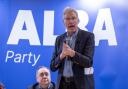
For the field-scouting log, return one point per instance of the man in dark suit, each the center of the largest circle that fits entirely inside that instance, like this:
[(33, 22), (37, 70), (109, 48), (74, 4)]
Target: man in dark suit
[(43, 79), (73, 55)]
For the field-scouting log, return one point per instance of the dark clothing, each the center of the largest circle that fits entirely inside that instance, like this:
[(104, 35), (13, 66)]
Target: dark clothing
[(36, 86), (67, 83), (84, 50)]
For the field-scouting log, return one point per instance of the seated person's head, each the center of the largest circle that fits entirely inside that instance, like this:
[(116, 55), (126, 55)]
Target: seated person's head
[(43, 77)]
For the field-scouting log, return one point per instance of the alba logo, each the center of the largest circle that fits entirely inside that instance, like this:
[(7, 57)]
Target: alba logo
[(30, 33)]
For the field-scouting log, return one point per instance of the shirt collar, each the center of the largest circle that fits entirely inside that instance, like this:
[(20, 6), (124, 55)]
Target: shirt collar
[(74, 34)]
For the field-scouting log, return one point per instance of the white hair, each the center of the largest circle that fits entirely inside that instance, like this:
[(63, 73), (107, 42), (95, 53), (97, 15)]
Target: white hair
[(69, 9)]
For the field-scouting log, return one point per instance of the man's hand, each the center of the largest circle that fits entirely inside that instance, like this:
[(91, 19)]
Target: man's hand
[(66, 51)]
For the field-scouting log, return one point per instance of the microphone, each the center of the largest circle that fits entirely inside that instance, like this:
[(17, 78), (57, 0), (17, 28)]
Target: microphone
[(67, 41)]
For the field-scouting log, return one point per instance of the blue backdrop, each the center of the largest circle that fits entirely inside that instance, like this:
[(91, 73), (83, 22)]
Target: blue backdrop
[(28, 29)]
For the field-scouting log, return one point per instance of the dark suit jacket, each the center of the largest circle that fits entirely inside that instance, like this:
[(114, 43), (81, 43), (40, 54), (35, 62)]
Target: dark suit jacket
[(84, 47)]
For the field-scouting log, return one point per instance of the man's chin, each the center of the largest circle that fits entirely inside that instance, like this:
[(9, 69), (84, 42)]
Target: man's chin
[(70, 31), (44, 83)]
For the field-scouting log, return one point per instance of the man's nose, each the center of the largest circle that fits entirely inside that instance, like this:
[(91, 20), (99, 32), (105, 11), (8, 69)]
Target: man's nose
[(71, 20)]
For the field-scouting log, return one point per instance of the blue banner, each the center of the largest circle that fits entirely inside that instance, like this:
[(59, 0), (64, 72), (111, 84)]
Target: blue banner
[(28, 29)]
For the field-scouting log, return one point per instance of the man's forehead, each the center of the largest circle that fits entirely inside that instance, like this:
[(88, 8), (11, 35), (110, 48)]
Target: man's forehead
[(70, 14), (43, 70)]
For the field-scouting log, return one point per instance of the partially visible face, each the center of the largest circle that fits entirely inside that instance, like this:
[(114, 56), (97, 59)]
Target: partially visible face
[(71, 21), (43, 77)]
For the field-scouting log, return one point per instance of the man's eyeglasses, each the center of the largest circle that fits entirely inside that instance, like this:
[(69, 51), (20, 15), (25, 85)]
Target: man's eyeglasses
[(72, 18)]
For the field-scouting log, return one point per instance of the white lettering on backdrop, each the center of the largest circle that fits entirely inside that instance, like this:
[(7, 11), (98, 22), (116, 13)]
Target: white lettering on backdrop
[(103, 30), (25, 16)]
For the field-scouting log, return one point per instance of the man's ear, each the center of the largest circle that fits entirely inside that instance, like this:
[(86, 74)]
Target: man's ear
[(37, 79)]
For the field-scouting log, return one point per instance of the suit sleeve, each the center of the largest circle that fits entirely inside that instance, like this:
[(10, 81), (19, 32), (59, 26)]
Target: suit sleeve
[(56, 62), (84, 58)]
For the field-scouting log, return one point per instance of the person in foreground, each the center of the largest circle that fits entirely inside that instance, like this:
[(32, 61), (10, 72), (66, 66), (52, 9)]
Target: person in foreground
[(43, 79), (73, 55)]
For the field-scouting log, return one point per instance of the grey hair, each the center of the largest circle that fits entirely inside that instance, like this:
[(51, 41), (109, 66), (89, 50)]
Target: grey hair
[(69, 9), (40, 67)]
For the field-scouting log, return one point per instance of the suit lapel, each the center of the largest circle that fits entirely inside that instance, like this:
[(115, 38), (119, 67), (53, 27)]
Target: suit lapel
[(77, 40)]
